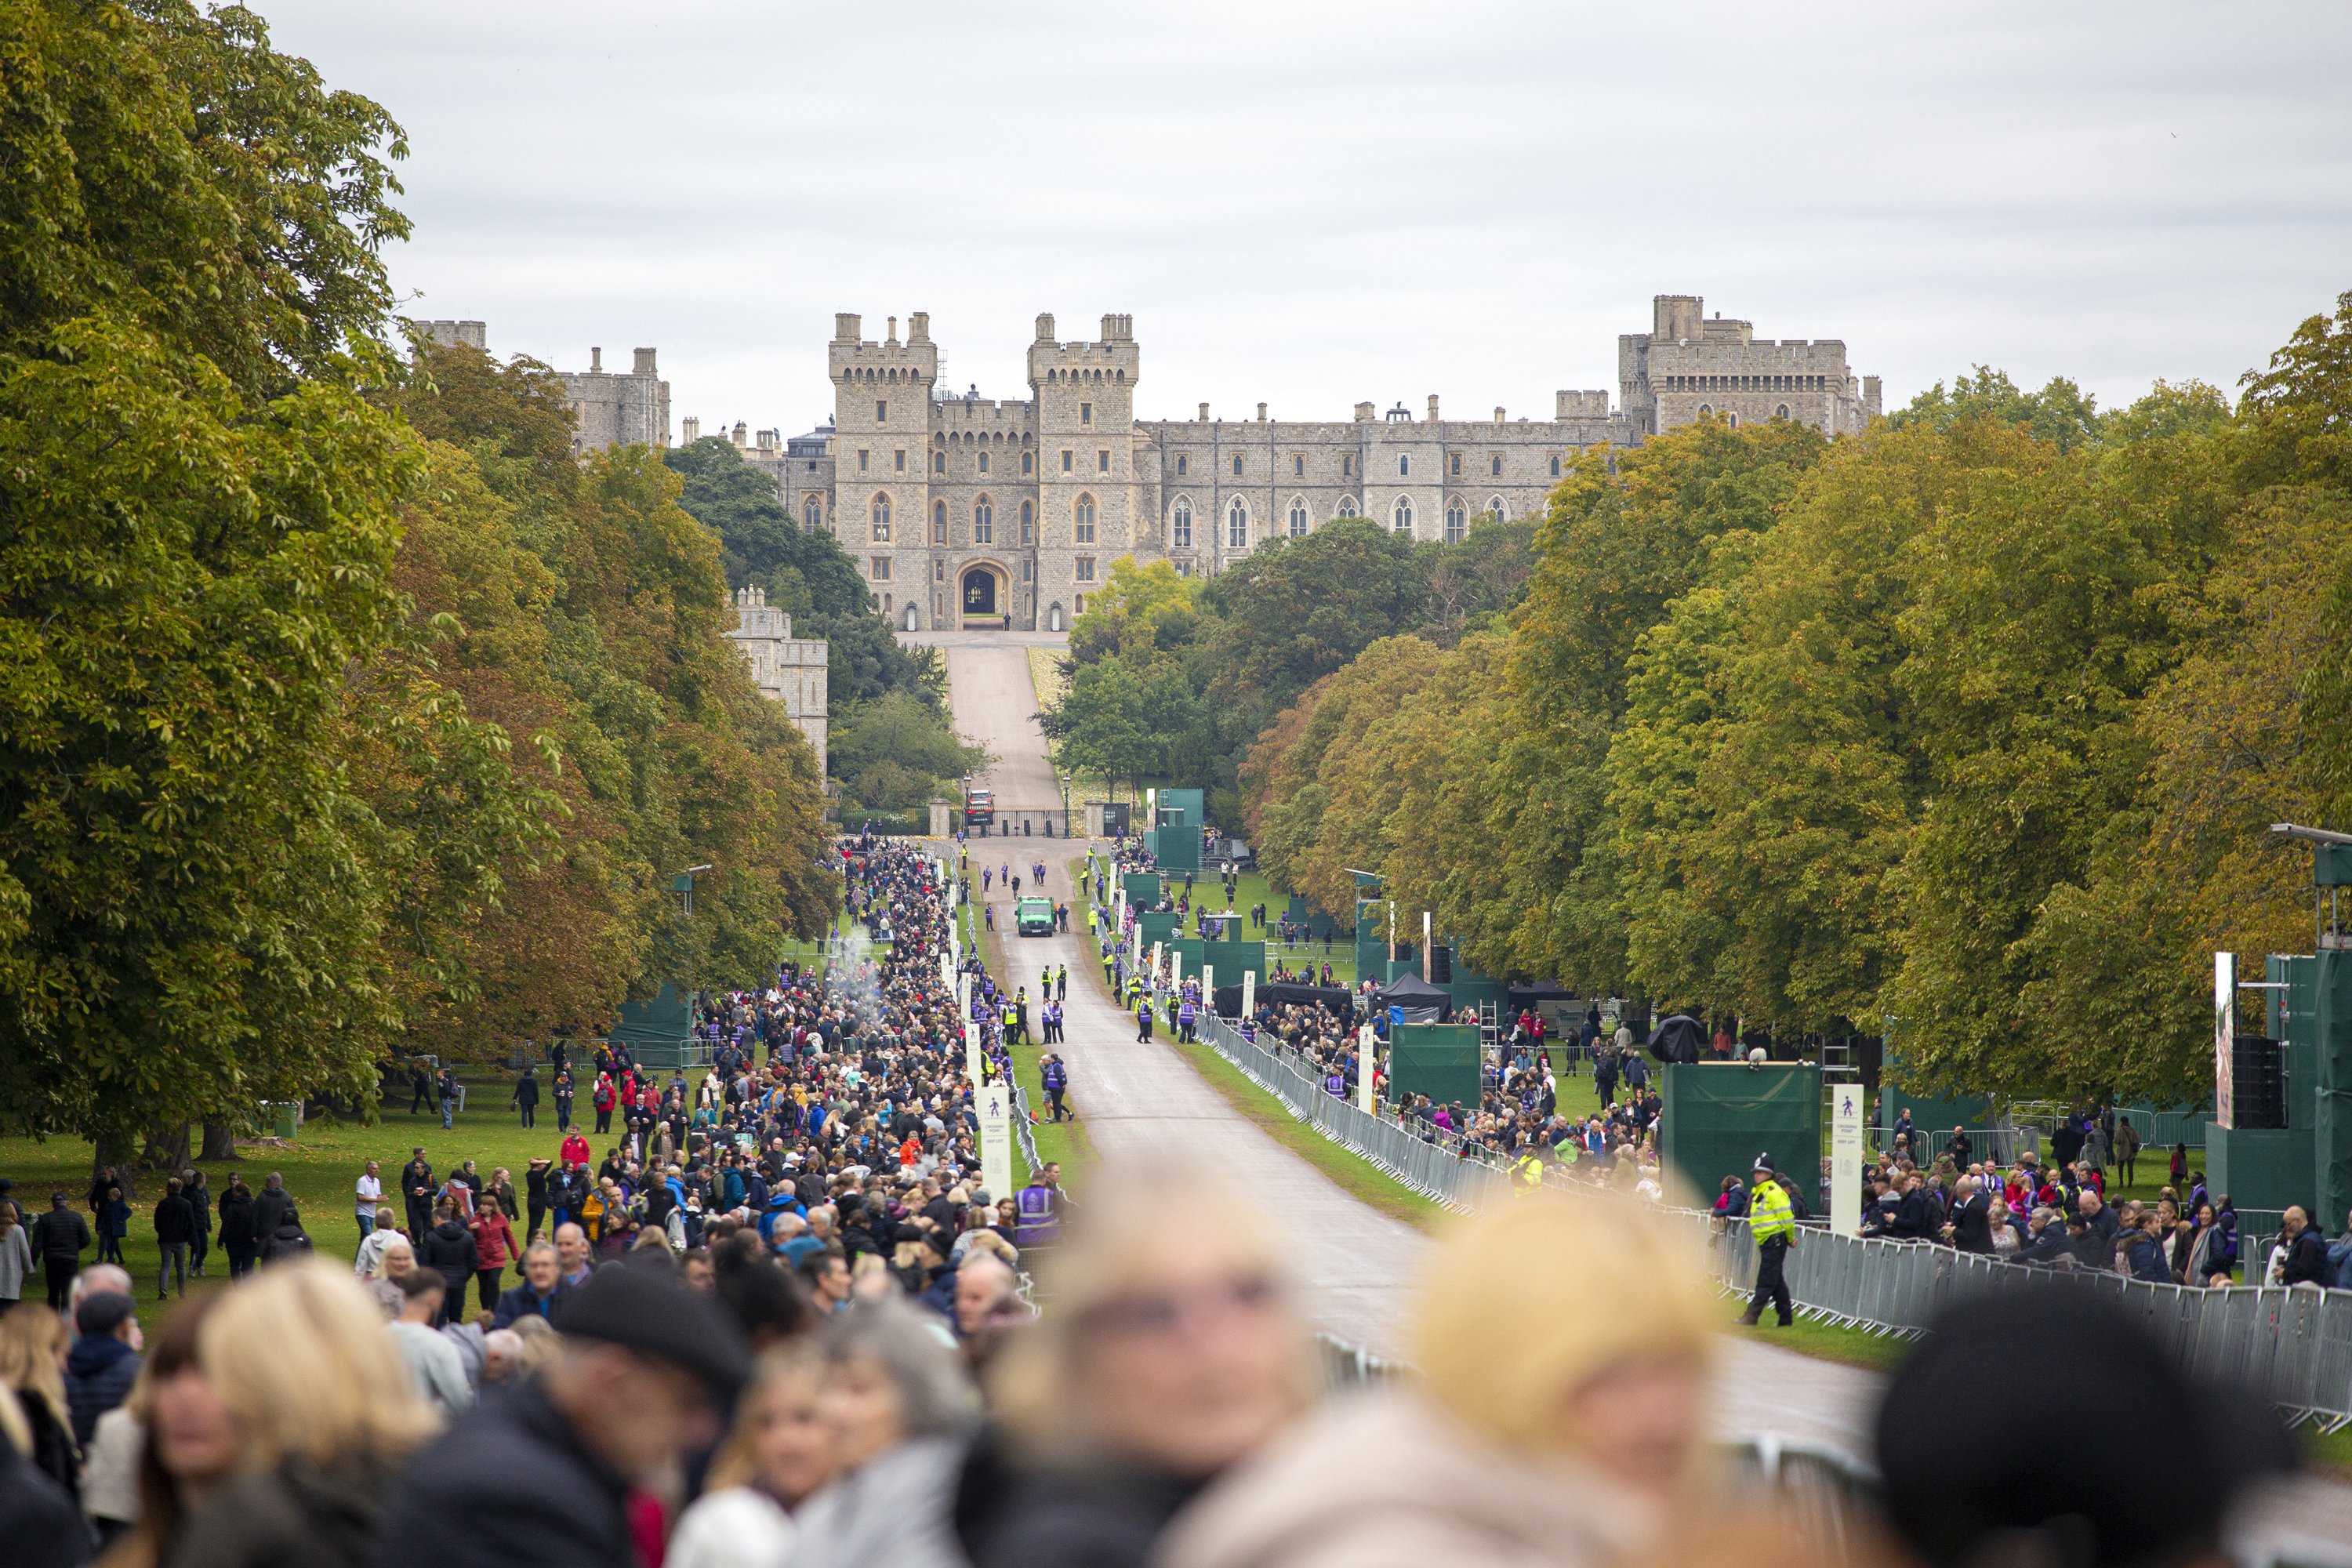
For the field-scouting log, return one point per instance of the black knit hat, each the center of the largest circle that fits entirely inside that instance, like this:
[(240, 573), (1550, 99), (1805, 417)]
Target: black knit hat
[(1959, 1482), (648, 1310)]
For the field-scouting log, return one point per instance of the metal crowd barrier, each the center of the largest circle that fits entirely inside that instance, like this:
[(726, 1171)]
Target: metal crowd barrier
[(1447, 1170), (2294, 1347)]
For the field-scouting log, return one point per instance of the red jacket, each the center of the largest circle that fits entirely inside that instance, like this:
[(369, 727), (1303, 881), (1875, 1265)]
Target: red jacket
[(494, 1238), (604, 1097), (575, 1150)]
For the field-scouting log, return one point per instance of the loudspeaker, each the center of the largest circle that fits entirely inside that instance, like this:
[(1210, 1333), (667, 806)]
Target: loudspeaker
[(1441, 964), (2258, 1082)]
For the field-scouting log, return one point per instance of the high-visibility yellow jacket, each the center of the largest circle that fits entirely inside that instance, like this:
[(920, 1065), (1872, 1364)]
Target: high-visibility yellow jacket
[(1769, 1214)]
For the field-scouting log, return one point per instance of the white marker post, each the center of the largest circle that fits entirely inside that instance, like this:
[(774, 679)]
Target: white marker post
[(1845, 1160), (1208, 990), (997, 1140), (2225, 1039), (1249, 994), (1366, 1100), (973, 1066)]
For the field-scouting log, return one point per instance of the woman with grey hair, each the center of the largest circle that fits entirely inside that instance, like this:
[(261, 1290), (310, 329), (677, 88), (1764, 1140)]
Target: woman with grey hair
[(899, 1410)]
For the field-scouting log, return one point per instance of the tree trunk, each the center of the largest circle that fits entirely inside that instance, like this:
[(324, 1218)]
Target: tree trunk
[(106, 1154), (166, 1150), (220, 1142)]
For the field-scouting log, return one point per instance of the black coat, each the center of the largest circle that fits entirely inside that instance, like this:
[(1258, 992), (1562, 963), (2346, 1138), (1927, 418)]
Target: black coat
[(1009, 1516), (40, 1523), (527, 1091), (176, 1220), (448, 1247), (296, 1513), (271, 1208), (238, 1229), (288, 1240), (509, 1485), (60, 1234), (1972, 1225)]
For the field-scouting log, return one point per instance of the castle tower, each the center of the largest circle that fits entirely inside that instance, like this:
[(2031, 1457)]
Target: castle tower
[(882, 424), (1084, 394)]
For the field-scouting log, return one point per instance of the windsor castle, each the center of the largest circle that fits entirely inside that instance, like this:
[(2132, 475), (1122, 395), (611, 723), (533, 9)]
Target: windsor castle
[(964, 510)]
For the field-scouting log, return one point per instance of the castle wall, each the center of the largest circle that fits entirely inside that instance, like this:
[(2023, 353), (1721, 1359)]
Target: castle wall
[(1044, 494)]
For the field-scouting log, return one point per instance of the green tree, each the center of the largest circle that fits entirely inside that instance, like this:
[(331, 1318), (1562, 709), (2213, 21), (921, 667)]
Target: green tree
[(166, 166)]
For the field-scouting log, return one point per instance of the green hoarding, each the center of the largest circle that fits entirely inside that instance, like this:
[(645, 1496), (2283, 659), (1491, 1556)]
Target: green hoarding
[(1719, 1116), (1440, 1060)]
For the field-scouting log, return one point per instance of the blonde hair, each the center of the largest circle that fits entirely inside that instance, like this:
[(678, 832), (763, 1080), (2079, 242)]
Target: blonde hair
[(733, 1464), (1115, 1244), (15, 1428), (1525, 1302), (300, 1357), (30, 1338)]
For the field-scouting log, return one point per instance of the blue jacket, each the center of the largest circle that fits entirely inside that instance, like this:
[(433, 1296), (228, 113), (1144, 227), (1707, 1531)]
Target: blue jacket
[(99, 1372)]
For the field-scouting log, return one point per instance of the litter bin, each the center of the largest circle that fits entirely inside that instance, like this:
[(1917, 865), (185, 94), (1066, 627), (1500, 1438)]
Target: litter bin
[(284, 1117)]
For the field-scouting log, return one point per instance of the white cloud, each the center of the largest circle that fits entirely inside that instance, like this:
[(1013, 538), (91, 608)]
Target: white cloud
[(1309, 204)]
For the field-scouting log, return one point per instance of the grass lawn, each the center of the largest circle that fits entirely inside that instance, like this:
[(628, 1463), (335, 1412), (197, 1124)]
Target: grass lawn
[(320, 1167)]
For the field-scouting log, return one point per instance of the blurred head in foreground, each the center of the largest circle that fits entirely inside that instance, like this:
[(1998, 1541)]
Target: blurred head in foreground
[(1172, 1343), (1576, 1326), (1556, 1416), (1962, 1493)]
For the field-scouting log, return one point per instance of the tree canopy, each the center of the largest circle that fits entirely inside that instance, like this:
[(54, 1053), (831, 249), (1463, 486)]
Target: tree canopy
[(338, 701), (1966, 730)]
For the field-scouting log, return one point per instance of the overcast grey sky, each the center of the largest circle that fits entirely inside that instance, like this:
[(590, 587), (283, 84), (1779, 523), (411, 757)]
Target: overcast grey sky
[(1311, 204)]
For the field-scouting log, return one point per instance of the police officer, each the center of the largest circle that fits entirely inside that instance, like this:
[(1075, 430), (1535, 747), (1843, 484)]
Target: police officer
[(1772, 1221), (1526, 1174)]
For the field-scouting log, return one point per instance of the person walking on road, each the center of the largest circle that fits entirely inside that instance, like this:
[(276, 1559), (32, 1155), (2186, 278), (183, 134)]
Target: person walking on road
[(1057, 1084), (1772, 1221)]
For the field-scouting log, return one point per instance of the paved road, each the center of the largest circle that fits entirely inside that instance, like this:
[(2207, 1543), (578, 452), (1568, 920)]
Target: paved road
[(1144, 1101)]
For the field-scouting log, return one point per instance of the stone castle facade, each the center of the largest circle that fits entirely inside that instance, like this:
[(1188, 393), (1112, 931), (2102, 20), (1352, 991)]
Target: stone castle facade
[(964, 510), (609, 408), (795, 671)]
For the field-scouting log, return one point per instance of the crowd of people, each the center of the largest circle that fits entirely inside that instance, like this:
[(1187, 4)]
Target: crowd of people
[(1164, 1409), (828, 1158)]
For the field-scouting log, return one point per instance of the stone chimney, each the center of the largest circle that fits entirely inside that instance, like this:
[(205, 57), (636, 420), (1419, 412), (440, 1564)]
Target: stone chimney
[(1261, 413), (1118, 328), (741, 431), (690, 428), (595, 361), (1366, 412), (846, 327), (1204, 414), (1045, 326), (893, 338), (918, 327), (644, 362), (1432, 408)]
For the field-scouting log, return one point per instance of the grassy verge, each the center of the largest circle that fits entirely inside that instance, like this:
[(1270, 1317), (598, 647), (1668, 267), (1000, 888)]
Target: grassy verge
[(1827, 1342), (1046, 677), (2329, 1452), (321, 1167), (1358, 1177), (1064, 1144)]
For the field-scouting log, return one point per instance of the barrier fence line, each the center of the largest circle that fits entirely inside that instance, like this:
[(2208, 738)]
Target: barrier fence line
[(2291, 1346)]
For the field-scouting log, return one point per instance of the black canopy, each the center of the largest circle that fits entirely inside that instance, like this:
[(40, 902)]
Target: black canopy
[(1678, 1038), (1423, 1003)]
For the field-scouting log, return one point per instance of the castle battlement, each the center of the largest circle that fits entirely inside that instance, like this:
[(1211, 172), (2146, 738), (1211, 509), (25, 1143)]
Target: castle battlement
[(961, 509)]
